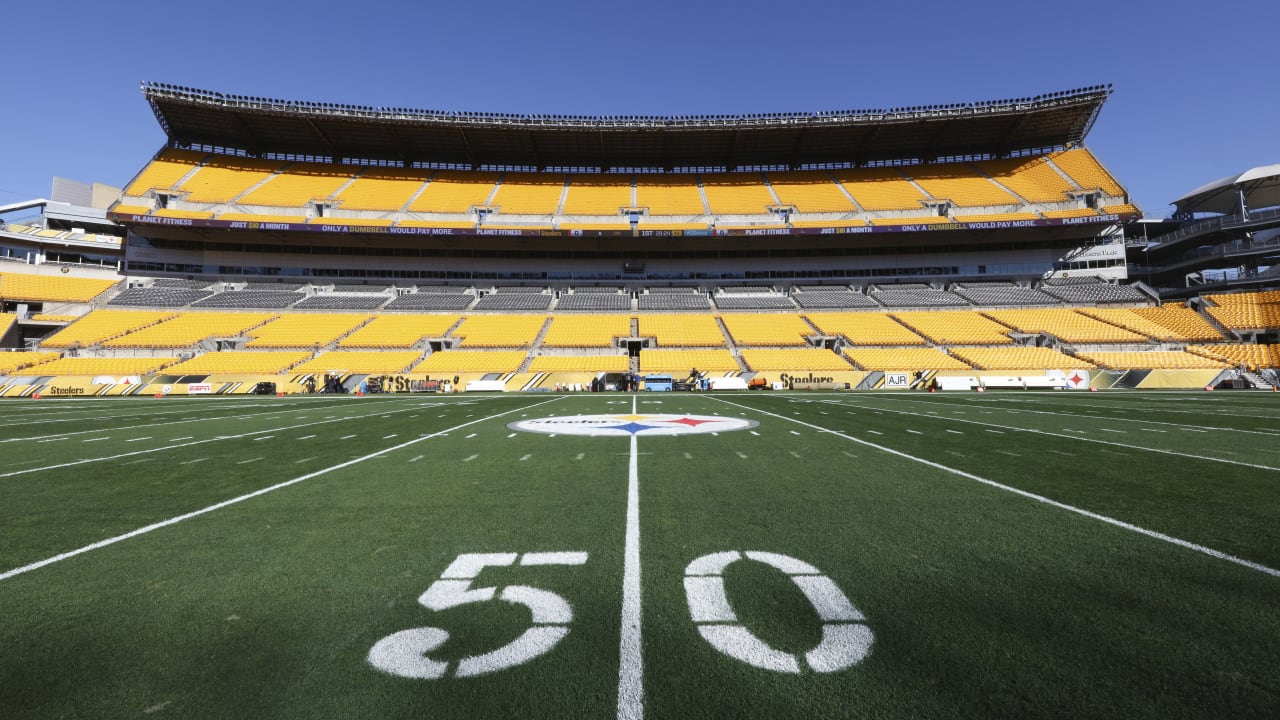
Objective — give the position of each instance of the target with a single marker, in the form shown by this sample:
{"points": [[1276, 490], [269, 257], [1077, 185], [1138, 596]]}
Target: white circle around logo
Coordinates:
{"points": [[624, 425]]}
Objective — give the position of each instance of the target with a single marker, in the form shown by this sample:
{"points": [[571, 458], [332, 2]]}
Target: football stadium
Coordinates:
{"points": [[337, 411]]}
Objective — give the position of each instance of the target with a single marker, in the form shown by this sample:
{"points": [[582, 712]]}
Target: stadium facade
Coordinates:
{"points": [[851, 248]]}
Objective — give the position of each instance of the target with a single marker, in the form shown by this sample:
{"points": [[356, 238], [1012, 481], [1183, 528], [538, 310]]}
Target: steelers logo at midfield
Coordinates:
{"points": [[623, 425]]}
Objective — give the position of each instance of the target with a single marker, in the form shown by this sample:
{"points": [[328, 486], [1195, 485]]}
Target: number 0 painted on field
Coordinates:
{"points": [[846, 640]]}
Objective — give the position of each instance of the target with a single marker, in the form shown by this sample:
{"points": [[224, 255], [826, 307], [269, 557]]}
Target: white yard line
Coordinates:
{"points": [[1030, 495], [189, 444], [1033, 431], [631, 661], [227, 503]]}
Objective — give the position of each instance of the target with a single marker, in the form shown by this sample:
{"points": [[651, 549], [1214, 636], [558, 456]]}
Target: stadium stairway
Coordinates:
{"points": [[1256, 380]]}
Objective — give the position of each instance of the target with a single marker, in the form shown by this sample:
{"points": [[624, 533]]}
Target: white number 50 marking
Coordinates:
{"points": [[845, 641], [407, 653]]}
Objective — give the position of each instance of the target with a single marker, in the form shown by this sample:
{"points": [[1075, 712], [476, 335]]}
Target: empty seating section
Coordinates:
{"points": [[833, 299], [1125, 209], [529, 193], [792, 360], [681, 361], [898, 359], [994, 217], [114, 367], [239, 361], [163, 172], [185, 214], [300, 184], [1071, 213], [772, 301], [737, 193], [378, 189], [454, 191], [1019, 358], [1094, 293], [1245, 311], [1084, 168], [955, 327], [960, 184], [1253, 357], [594, 301], [223, 178], [675, 195], [130, 209], [11, 362], [101, 325], [767, 329], [51, 288], [672, 301], [190, 328], [342, 301], [586, 330], [398, 331], [1066, 325], [1132, 321], [865, 328], [499, 330], [1004, 296], [597, 194], [917, 297], [1185, 324], [880, 189], [810, 192], [1152, 360], [297, 219], [580, 363], [682, 330], [6, 321], [360, 361], [161, 297], [257, 299], [1033, 179], [472, 361], [514, 301], [918, 220], [437, 302], [291, 331]]}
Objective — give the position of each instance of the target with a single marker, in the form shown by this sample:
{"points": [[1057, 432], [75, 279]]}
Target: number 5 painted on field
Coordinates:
{"points": [[407, 653], [845, 639]]}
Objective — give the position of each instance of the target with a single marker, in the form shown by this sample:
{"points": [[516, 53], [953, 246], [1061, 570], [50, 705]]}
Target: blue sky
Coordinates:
{"points": [[1194, 98]]}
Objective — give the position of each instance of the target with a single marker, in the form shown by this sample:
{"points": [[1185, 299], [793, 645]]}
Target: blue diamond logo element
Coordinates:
{"points": [[633, 427]]}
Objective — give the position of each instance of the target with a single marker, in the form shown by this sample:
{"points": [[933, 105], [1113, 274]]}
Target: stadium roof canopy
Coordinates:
{"points": [[1260, 186], [262, 126]]}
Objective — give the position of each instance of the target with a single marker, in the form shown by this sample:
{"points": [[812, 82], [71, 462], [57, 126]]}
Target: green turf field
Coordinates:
{"points": [[795, 556]]}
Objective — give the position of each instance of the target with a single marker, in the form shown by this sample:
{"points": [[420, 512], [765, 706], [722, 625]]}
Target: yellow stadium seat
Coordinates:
{"points": [[304, 330], [1019, 358], [1085, 169], [865, 328], [499, 330], [360, 361], [586, 330], [164, 172], [454, 191], [676, 362], [603, 194], [51, 288], [529, 193], [900, 359], [580, 363], [810, 191], [114, 367], [100, 325], [381, 189], [955, 327], [472, 361], [222, 178], [1065, 324], [767, 329], [737, 193], [399, 331], [190, 328], [960, 184], [239, 361], [669, 195], [793, 360], [672, 331], [11, 362]]}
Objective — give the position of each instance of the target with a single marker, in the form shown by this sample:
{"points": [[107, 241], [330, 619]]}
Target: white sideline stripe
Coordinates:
{"points": [[1038, 498], [1099, 441], [631, 661], [235, 500], [193, 442]]}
